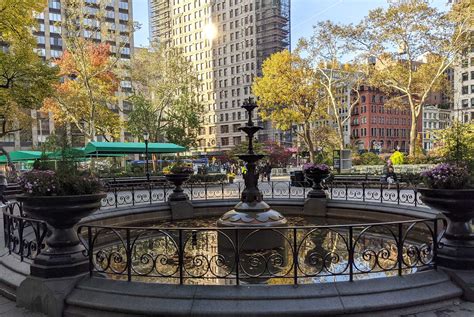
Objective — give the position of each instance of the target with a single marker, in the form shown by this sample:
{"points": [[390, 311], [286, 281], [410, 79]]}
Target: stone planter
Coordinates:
{"points": [[456, 248], [317, 190], [177, 180], [64, 254]]}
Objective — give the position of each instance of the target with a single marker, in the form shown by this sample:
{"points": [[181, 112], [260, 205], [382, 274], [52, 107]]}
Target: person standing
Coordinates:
{"points": [[268, 171], [3, 187]]}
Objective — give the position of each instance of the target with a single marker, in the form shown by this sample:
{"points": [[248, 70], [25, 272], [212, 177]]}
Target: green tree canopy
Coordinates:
{"points": [[397, 39], [166, 96]]}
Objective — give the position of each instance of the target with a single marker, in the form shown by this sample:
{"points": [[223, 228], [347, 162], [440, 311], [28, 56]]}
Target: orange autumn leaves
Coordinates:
{"points": [[86, 94]]}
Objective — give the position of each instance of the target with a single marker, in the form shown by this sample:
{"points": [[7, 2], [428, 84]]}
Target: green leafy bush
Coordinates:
{"points": [[208, 178], [368, 158]]}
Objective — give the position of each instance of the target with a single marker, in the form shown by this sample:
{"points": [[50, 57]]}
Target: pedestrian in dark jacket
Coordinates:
{"points": [[268, 171]]}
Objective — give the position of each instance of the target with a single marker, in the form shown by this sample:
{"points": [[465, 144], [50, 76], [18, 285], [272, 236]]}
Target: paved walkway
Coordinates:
{"points": [[455, 309], [8, 309]]}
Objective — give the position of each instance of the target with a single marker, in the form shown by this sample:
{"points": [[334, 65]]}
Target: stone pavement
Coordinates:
{"points": [[457, 309], [8, 309]]}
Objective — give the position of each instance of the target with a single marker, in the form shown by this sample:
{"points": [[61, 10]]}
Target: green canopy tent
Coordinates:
{"points": [[98, 148], [21, 156]]}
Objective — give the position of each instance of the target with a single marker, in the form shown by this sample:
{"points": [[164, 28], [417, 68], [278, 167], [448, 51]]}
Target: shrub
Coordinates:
{"points": [[370, 158], [397, 158], [208, 178]]}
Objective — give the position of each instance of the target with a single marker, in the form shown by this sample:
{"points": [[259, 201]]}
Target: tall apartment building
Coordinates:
{"points": [[463, 109], [50, 45], [464, 87], [227, 42]]}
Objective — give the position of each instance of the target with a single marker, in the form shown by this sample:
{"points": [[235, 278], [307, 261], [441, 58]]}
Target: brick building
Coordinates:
{"points": [[374, 127]]}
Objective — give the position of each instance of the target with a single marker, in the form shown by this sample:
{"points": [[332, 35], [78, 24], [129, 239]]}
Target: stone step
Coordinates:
{"points": [[99, 297]]}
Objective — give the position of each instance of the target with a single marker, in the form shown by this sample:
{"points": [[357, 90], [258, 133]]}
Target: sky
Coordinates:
{"points": [[304, 14]]}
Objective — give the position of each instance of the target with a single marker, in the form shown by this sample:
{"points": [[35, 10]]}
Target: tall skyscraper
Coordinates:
{"points": [[117, 15], [227, 42]]}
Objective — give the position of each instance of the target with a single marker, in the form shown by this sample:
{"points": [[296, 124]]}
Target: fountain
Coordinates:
{"points": [[252, 211]]}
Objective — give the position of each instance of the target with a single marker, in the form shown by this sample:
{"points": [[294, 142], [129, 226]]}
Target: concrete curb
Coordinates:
{"points": [[96, 297]]}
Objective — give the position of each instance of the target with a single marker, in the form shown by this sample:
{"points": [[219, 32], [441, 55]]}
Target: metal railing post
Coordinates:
{"points": [[295, 257], [180, 256], [237, 257], [90, 250], [400, 249], [129, 257], [351, 254]]}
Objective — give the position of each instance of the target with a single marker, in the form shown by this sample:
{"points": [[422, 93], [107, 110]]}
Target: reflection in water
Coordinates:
{"points": [[211, 255]]}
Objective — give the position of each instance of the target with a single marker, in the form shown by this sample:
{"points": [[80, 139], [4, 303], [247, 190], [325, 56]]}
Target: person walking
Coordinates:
{"points": [[3, 187]]}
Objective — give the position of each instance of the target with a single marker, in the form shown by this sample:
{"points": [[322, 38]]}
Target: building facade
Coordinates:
{"points": [[464, 87], [117, 15], [227, 42], [434, 118], [377, 128]]}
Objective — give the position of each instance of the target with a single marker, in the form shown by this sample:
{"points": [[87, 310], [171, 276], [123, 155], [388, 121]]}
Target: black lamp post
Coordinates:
{"points": [[146, 136]]}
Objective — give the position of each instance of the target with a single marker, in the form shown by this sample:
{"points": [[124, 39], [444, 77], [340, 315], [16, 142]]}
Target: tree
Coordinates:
{"points": [[166, 96], [398, 38], [86, 91], [25, 80], [17, 17], [289, 94], [278, 155], [456, 144], [87, 97], [339, 82]]}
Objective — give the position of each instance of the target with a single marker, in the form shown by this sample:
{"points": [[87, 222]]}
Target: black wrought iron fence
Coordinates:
{"points": [[356, 191], [23, 236], [290, 255]]}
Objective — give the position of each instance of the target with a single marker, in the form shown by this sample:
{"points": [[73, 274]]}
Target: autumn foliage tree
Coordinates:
{"points": [[25, 80], [289, 94], [86, 94], [399, 38]]}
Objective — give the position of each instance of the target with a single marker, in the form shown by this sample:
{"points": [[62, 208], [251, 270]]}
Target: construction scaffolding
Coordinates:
{"points": [[273, 28]]}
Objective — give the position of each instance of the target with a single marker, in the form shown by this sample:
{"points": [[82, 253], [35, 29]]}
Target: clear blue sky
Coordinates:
{"points": [[304, 14]]}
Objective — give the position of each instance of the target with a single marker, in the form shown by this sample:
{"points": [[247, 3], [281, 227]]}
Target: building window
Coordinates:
{"points": [[465, 90], [224, 141], [465, 102], [465, 76], [224, 129]]}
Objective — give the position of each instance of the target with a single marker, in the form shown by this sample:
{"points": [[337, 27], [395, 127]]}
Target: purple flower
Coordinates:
{"points": [[316, 168], [446, 176]]}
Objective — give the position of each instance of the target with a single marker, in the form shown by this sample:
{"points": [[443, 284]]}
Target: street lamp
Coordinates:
{"points": [[146, 136]]}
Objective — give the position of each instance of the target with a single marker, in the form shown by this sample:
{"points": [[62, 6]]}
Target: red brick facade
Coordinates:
{"points": [[372, 125]]}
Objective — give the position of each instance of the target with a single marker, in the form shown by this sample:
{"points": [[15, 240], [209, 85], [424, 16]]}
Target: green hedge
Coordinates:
{"points": [[208, 178]]}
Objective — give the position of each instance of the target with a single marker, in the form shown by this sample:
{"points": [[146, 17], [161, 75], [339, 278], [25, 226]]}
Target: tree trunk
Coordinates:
{"points": [[309, 141], [413, 134]]}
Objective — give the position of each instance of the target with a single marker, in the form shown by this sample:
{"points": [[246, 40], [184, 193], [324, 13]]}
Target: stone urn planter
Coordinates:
{"points": [[456, 247], [64, 254], [178, 180], [316, 178]]}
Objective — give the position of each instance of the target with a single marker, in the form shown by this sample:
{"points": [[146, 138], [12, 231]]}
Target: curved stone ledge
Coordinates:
{"points": [[99, 297]]}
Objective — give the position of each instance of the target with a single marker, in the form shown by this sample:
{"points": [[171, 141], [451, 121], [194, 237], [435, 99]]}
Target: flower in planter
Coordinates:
{"points": [[312, 168], [178, 168], [51, 183], [446, 176]]}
